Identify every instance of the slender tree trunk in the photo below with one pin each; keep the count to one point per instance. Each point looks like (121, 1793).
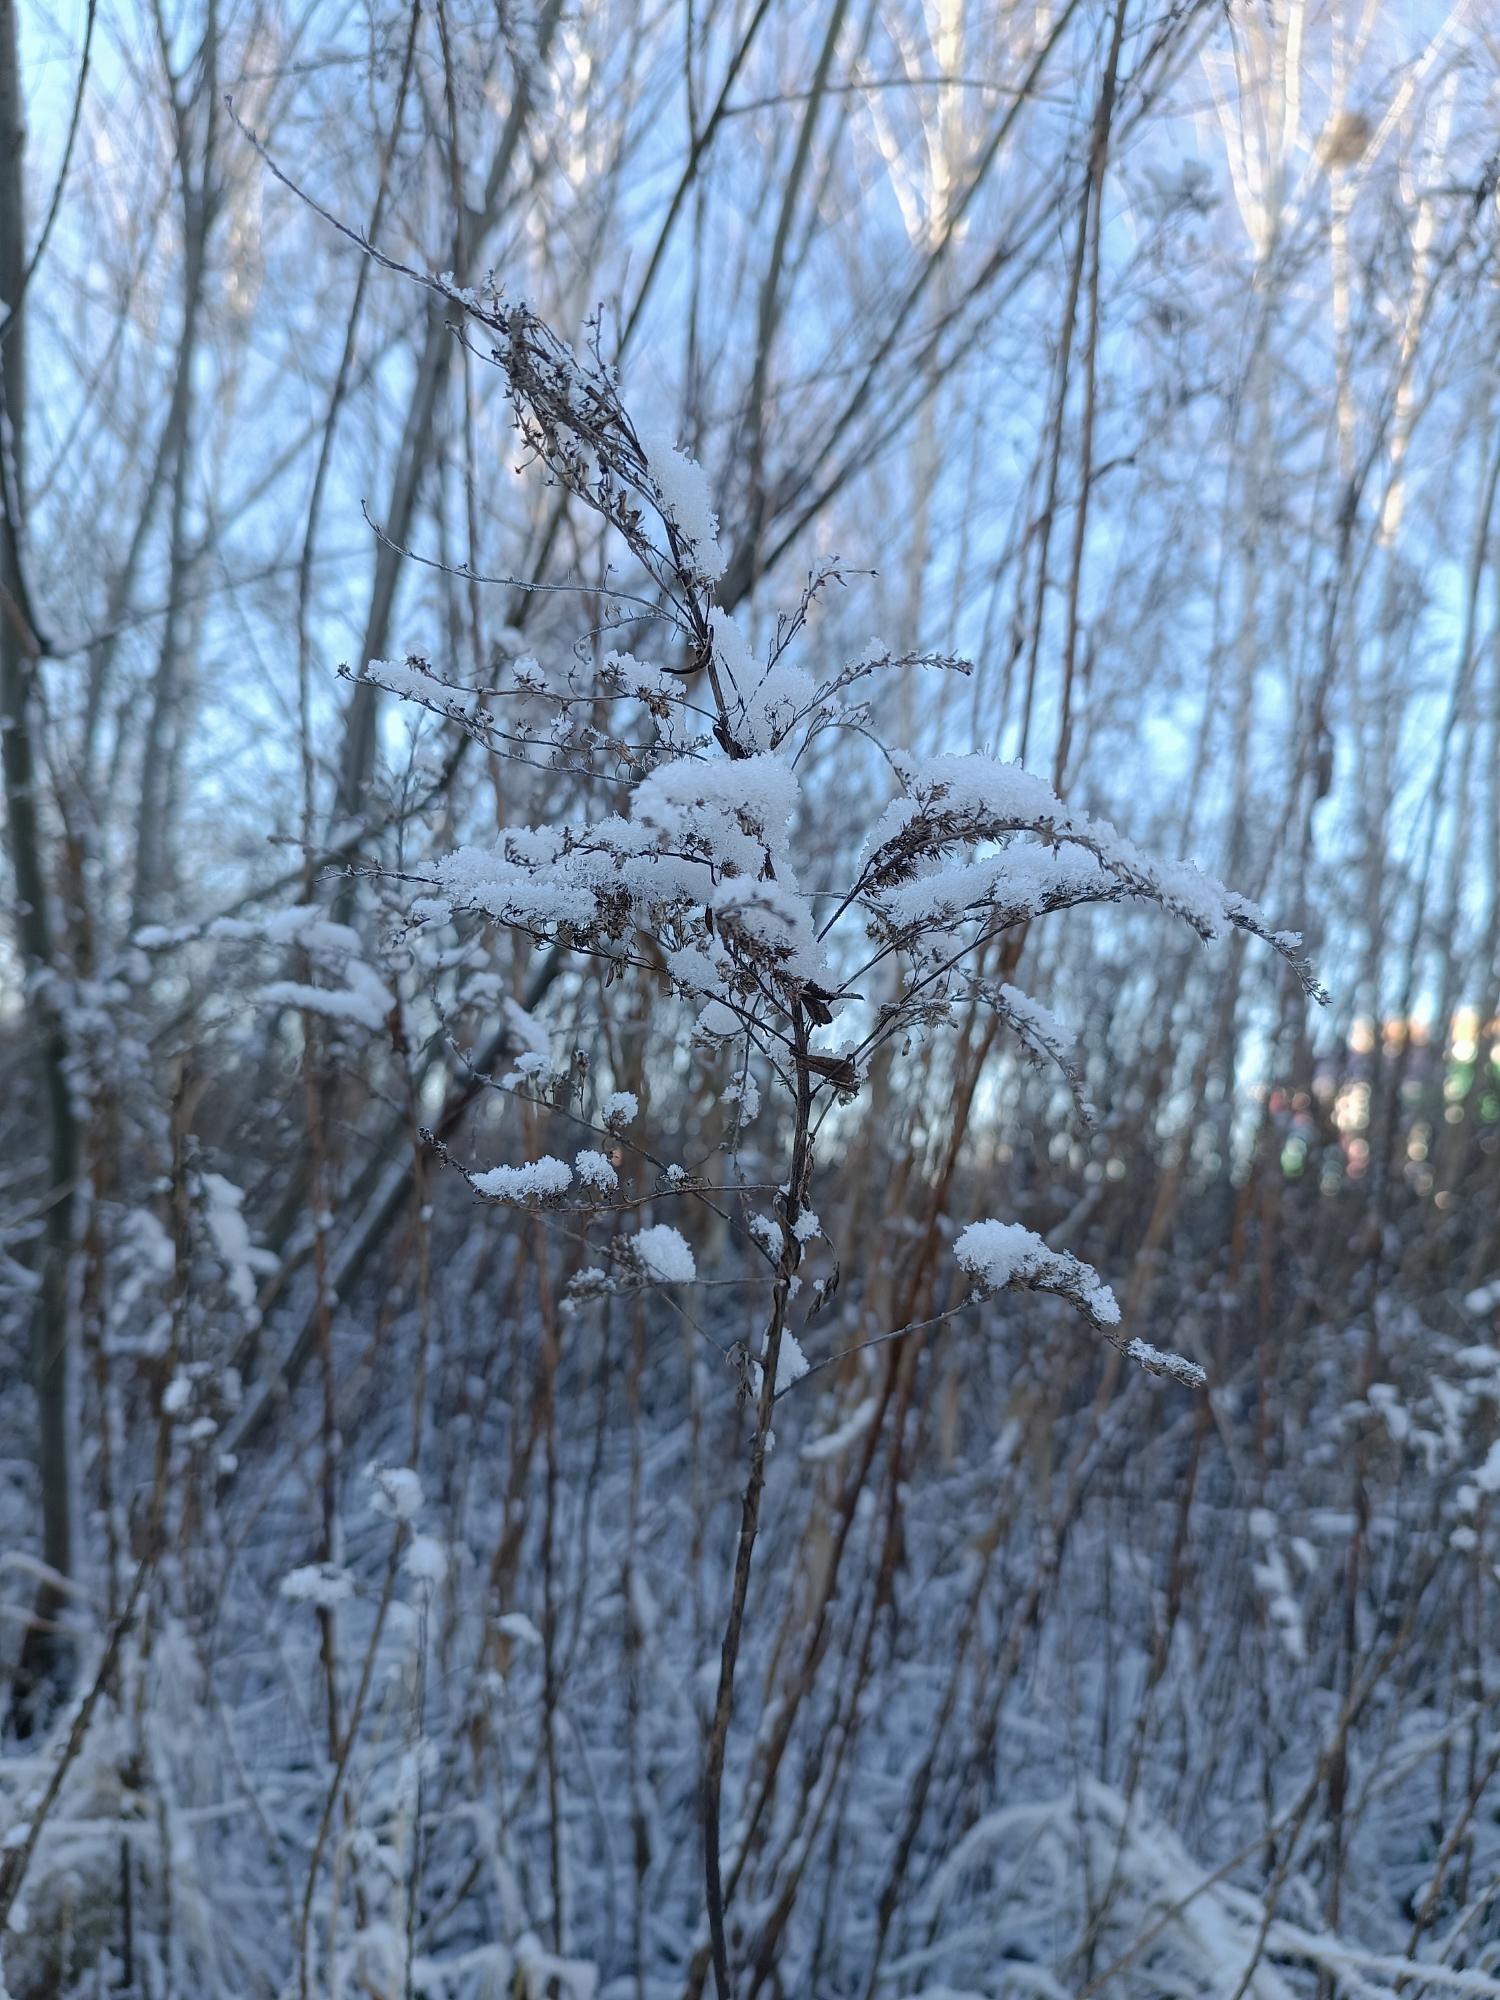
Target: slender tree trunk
(165, 725)
(45, 1655)
(471, 229)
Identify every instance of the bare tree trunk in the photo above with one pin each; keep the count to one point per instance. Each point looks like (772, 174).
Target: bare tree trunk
(471, 230)
(45, 1654)
(165, 725)
(359, 729)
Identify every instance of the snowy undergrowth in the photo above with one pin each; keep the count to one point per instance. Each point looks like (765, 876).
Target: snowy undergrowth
(450, 1712)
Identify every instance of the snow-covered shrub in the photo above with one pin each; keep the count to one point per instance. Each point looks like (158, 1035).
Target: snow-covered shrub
(697, 866)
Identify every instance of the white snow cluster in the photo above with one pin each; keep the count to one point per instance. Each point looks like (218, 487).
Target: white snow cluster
(362, 1001)
(1162, 1361)
(765, 703)
(1003, 1254)
(791, 1362)
(398, 1491)
(742, 1095)
(413, 680)
(791, 1365)
(767, 1232)
(692, 859)
(322, 1585)
(682, 487)
(978, 802)
(425, 1560)
(1273, 1580)
(546, 1179)
(1040, 1025)
(223, 1212)
(665, 1255)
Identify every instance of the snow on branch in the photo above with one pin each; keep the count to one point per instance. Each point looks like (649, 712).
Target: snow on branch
(1044, 1038)
(543, 1180)
(695, 869)
(662, 1253)
(1006, 1256)
(683, 496)
(974, 802)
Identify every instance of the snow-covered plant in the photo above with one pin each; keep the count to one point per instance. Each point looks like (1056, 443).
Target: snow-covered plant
(694, 868)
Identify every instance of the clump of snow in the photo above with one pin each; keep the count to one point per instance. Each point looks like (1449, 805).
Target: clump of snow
(590, 1283)
(539, 1180)
(520, 882)
(363, 1001)
(1386, 1402)
(526, 1032)
(1002, 1254)
(703, 861)
(320, 1584)
(996, 1252)
(530, 1068)
(759, 794)
(425, 1560)
(1043, 1025)
(413, 680)
(223, 1205)
(619, 1109)
(516, 1625)
(595, 1171)
(742, 1094)
(644, 679)
(785, 694)
(1161, 1361)
(697, 969)
(717, 1023)
(1020, 881)
(791, 1362)
(398, 1491)
(1273, 1581)
(977, 802)
(807, 1226)
(767, 1233)
(970, 786)
(682, 487)
(665, 1255)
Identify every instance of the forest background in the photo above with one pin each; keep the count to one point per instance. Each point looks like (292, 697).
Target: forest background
(1105, 386)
